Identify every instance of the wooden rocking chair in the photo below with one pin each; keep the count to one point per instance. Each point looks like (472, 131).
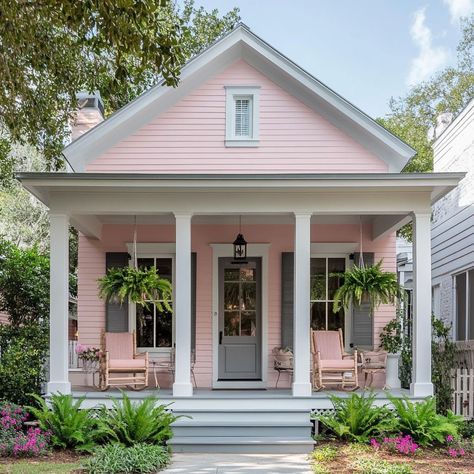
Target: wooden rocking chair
(331, 365)
(118, 356)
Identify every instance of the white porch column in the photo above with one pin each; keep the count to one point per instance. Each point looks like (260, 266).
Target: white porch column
(421, 378)
(182, 386)
(301, 316)
(59, 304)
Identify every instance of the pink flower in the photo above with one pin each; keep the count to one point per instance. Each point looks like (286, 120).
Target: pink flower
(374, 443)
(449, 438)
(462, 452)
(452, 452)
(80, 348)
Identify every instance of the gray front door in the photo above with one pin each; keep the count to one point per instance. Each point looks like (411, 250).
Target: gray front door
(240, 319)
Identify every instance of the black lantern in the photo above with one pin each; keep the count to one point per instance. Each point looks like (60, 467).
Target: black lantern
(240, 246)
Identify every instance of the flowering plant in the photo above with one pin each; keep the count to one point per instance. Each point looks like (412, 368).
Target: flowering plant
(400, 444)
(13, 440)
(454, 448)
(85, 353)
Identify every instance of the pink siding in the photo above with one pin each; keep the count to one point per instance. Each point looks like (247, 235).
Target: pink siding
(189, 137)
(92, 265)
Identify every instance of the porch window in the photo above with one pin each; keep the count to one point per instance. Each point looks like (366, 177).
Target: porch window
(154, 327)
(323, 288)
(464, 294)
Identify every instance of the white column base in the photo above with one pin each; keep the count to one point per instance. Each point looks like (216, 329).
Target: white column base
(59, 387)
(182, 390)
(421, 389)
(302, 389)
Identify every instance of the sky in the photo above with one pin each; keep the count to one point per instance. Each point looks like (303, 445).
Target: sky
(366, 50)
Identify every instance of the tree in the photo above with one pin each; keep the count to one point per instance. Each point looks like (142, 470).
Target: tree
(450, 90)
(52, 49)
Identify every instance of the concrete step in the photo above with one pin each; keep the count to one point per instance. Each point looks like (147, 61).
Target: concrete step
(190, 428)
(259, 415)
(229, 444)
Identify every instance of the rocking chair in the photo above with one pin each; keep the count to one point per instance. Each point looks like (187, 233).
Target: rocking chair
(331, 365)
(118, 356)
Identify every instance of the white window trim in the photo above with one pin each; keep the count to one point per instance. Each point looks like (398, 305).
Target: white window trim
(230, 139)
(153, 250)
(455, 306)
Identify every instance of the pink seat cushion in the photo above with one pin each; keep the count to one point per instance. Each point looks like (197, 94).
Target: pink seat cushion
(337, 364)
(127, 363)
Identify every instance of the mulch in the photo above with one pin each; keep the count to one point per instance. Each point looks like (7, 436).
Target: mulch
(60, 456)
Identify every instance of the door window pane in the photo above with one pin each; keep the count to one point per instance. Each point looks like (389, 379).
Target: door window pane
(231, 296)
(318, 279)
(318, 316)
(461, 307)
(248, 323)
(248, 274)
(231, 274)
(231, 323)
(249, 296)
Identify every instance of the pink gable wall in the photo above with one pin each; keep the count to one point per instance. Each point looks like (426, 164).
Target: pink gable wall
(189, 137)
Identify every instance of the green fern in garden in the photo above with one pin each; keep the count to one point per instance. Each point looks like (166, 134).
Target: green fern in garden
(370, 281)
(140, 286)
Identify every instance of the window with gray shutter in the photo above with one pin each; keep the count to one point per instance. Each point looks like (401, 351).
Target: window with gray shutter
(116, 315)
(287, 288)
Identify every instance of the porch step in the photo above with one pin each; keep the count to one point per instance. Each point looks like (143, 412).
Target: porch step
(242, 431)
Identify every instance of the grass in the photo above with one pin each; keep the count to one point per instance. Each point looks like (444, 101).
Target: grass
(29, 467)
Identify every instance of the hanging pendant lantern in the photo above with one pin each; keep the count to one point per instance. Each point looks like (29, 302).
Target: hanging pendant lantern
(240, 246)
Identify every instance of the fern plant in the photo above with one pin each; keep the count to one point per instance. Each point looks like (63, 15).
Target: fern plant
(129, 423)
(366, 281)
(70, 425)
(140, 286)
(356, 418)
(422, 423)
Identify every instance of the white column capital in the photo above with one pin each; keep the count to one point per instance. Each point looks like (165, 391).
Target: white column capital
(182, 215)
(302, 214)
(421, 214)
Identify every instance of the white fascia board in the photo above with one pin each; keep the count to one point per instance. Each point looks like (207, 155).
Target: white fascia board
(221, 54)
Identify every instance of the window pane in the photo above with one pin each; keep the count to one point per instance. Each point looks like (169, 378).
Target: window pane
(318, 279)
(145, 326)
(248, 325)
(318, 316)
(461, 307)
(231, 274)
(145, 263)
(231, 296)
(164, 267)
(471, 304)
(335, 265)
(242, 116)
(248, 274)
(335, 320)
(164, 328)
(231, 323)
(249, 295)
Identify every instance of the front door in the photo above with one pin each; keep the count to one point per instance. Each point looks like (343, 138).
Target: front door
(240, 318)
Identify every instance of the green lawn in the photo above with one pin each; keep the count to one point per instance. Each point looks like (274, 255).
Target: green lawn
(25, 467)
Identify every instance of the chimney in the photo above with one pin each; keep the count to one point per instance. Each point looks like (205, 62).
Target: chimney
(443, 121)
(90, 113)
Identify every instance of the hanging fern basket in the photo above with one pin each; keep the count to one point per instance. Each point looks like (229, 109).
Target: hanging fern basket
(141, 286)
(366, 284)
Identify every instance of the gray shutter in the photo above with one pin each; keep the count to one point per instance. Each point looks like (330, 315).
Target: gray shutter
(193, 300)
(287, 286)
(362, 320)
(116, 315)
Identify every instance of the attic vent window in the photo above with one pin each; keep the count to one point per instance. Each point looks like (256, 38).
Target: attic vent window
(242, 104)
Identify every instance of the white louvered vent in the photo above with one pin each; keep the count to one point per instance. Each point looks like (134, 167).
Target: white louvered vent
(243, 116)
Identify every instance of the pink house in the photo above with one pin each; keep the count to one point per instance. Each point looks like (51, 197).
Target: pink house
(247, 143)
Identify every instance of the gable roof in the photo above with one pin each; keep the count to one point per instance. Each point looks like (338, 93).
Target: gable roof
(241, 43)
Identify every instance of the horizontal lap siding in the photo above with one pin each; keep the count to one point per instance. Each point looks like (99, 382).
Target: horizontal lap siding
(189, 137)
(281, 238)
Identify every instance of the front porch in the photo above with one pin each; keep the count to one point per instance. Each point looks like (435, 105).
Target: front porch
(311, 217)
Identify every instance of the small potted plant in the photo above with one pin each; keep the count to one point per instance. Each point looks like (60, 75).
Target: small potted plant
(282, 358)
(391, 341)
(137, 285)
(89, 356)
(366, 284)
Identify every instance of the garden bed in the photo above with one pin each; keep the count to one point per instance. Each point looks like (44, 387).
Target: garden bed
(353, 458)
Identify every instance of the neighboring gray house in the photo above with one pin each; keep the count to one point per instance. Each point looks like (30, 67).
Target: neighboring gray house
(452, 236)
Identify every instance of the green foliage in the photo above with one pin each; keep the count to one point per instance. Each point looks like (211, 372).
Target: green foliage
(391, 336)
(467, 429)
(24, 284)
(325, 454)
(357, 419)
(71, 427)
(137, 285)
(23, 355)
(114, 458)
(380, 466)
(129, 423)
(52, 50)
(366, 281)
(422, 423)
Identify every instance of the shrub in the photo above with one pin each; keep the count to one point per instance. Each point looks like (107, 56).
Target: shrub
(357, 419)
(70, 426)
(113, 458)
(13, 440)
(129, 423)
(422, 423)
(380, 466)
(466, 430)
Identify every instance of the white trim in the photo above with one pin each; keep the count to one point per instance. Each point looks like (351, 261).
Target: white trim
(253, 93)
(241, 43)
(226, 250)
(337, 248)
(152, 248)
